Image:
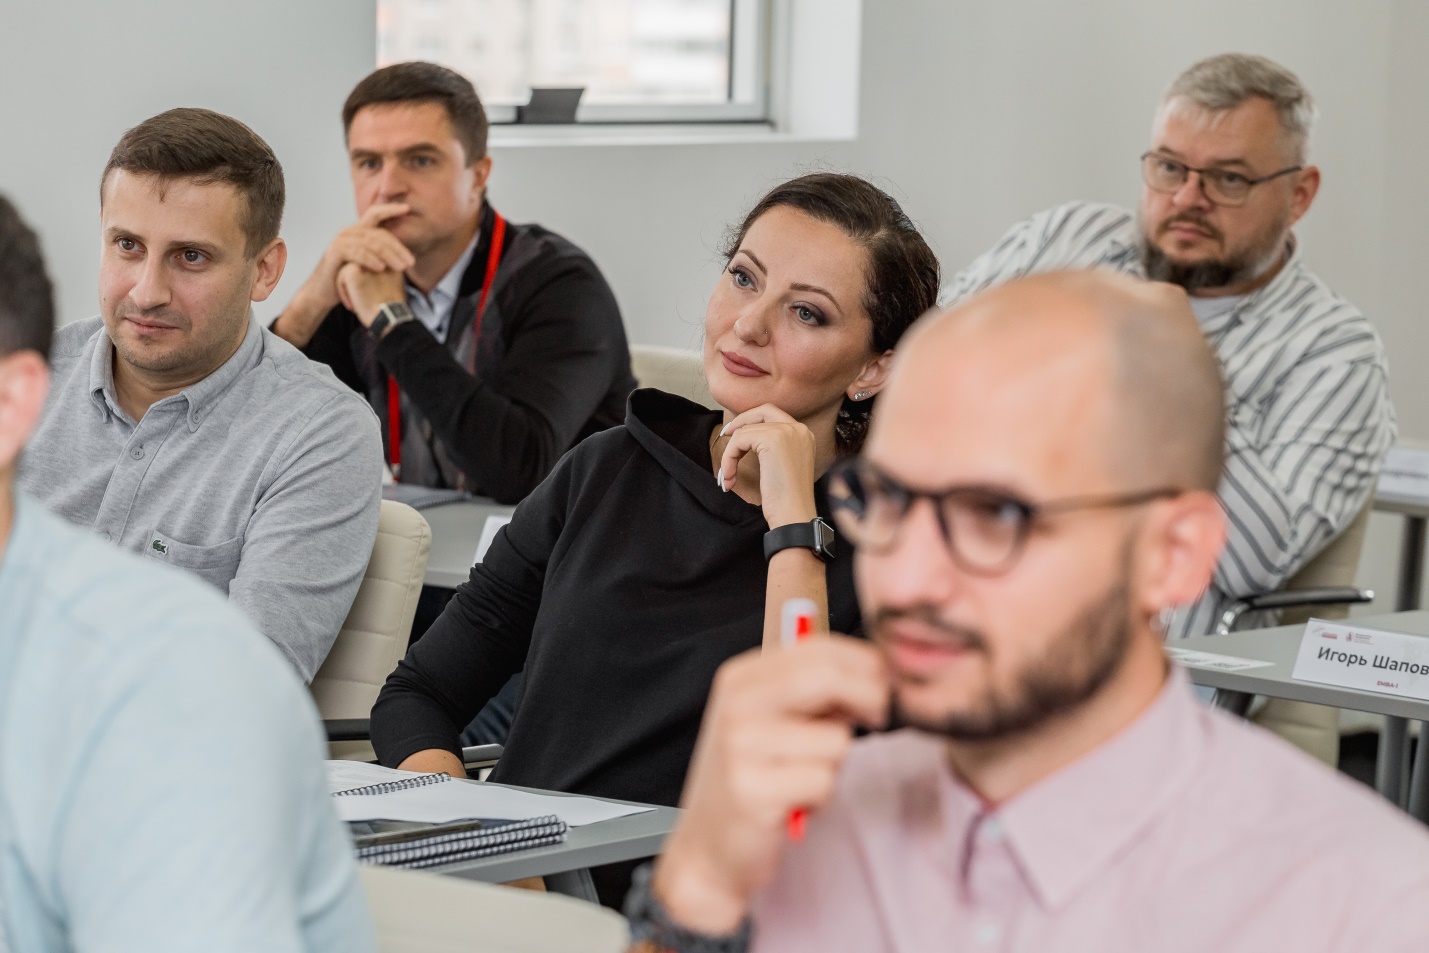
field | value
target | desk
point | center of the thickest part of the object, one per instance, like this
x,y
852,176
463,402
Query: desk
x,y
1394,741
564,864
1411,547
1279,646
456,529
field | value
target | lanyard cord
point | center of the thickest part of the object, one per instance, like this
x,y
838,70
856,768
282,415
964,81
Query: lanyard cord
x,y
394,394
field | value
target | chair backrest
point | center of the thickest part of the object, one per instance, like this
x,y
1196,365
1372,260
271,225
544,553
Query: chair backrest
x,y
671,370
374,634
430,913
1335,565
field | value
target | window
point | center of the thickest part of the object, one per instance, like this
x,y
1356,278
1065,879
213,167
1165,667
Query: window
x,y
639,60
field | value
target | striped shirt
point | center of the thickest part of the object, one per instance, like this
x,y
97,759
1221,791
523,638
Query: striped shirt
x,y
1308,410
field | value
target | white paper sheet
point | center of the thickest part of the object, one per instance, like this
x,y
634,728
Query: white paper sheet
x,y
455,800
348,775
488,533
1225,663
1405,473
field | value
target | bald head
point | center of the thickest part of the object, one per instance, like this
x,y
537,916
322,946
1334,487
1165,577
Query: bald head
x,y
1114,372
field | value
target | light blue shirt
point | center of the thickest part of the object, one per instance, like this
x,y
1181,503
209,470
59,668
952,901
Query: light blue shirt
x,y
435,310
161,766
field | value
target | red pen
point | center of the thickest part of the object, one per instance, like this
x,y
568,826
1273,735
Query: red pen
x,y
796,624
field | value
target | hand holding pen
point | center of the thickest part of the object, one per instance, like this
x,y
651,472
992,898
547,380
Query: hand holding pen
x,y
776,730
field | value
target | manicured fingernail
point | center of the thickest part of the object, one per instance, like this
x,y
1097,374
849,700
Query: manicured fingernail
x,y
725,429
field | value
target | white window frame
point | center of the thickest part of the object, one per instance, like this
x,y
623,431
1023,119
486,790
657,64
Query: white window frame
x,y
802,98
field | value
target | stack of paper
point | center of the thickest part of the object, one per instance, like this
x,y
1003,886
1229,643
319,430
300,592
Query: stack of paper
x,y
453,800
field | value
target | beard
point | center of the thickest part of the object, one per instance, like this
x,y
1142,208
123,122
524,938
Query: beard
x,y
1073,669
207,346
1237,266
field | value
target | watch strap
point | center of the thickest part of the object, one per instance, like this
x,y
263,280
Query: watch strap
x,y
815,535
388,317
650,923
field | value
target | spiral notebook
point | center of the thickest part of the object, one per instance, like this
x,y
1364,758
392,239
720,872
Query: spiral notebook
x,y
408,844
398,844
370,792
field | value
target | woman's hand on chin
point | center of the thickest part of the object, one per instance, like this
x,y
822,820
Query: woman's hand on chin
x,y
783,449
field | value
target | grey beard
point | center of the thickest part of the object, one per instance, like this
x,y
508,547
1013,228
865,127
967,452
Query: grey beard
x,y
1208,274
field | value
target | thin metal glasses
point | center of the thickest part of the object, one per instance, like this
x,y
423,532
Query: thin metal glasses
x,y
1164,174
985,529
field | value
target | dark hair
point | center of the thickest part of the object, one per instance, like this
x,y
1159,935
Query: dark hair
x,y
27,304
903,273
209,148
418,82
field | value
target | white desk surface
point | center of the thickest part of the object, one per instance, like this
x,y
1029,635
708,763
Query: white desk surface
x,y
456,529
1280,645
1387,503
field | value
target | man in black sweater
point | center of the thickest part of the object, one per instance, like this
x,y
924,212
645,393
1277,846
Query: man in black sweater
x,y
487,348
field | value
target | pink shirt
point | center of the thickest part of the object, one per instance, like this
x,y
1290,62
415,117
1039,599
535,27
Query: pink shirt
x,y
1189,831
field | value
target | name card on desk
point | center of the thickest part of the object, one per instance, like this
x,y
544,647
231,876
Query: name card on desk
x,y
1405,473
1224,663
488,535
1370,660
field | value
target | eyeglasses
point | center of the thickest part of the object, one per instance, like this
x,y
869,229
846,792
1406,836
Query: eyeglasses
x,y
1164,174
984,529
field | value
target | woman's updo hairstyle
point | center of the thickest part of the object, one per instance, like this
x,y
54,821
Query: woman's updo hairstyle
x,y
902,274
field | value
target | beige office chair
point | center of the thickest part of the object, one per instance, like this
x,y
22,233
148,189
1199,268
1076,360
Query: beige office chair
x,y
1329,578
671,370
374,634
429,913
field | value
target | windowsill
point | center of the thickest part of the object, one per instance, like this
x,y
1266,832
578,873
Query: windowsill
x,y
510,135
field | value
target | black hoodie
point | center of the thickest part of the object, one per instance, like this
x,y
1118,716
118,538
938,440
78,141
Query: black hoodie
x,y
620,586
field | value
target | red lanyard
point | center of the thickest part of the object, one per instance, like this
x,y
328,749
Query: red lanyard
x,y
394,395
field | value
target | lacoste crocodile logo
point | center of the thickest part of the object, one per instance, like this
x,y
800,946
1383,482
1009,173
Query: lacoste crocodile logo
x,y
159,547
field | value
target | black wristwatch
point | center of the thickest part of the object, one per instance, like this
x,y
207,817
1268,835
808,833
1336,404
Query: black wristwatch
x,y
814,535
649,923
388,317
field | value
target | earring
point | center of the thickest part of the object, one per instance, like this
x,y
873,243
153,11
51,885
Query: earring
x,y
862,395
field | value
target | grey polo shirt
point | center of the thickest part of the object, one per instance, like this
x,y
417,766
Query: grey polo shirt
x,y
263,479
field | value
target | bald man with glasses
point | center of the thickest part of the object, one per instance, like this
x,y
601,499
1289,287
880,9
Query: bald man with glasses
x,y
1309,416
1054,786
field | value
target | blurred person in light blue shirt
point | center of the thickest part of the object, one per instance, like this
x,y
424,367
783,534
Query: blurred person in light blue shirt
x,y
161,776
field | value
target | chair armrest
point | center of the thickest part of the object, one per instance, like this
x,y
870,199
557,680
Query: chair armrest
x,y
1292,599
348,729
480,756
1319,596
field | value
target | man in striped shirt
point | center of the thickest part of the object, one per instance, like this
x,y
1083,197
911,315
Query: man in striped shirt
x,y
1308,410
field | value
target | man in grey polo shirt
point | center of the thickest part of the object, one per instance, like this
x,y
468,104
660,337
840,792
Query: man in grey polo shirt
x,y
180,428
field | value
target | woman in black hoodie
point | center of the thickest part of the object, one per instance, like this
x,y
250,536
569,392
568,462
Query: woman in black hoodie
x,y
639,566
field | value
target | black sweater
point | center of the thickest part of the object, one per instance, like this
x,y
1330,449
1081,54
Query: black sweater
x,y
552,367
620,585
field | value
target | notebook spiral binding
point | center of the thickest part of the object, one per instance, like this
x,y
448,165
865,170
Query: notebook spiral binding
x,y
468,845
406,784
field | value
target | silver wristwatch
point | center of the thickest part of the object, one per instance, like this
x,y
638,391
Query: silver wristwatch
x,y
388,317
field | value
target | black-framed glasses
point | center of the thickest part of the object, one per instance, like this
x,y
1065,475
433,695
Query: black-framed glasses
x,y
984,528
1164,174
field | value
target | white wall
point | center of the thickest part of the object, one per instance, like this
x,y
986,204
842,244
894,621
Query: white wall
x,y
74,74
973,113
